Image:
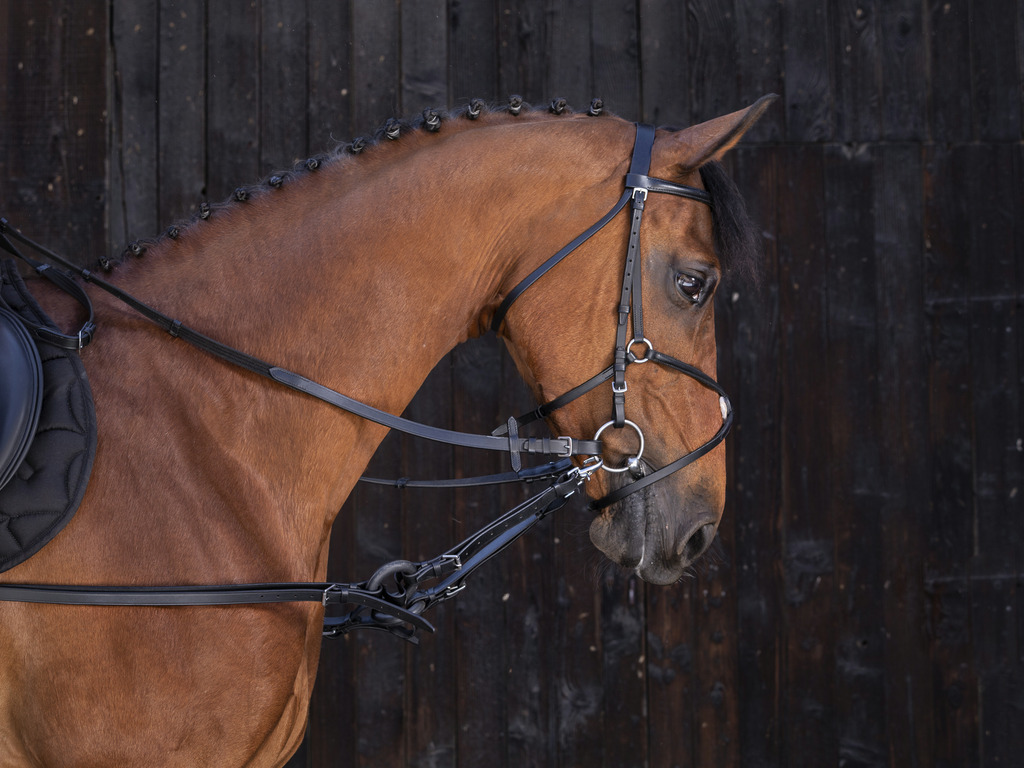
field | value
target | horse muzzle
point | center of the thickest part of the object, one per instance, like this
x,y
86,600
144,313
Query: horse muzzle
x,y
661,530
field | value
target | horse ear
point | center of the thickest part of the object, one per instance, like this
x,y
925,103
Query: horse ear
x,y
692,147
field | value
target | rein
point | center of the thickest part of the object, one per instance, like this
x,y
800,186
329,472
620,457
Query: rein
x,y
398,592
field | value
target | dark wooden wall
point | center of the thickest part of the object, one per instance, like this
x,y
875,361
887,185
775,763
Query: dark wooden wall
x,y
865,607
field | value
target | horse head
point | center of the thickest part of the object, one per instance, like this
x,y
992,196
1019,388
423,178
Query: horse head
x,y
649,413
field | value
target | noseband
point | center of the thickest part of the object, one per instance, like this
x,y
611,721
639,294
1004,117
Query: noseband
x,y
395,596
638,186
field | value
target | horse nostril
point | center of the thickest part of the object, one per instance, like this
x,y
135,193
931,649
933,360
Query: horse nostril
x,y
699,541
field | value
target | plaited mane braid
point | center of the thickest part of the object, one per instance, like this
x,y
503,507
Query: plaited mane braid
x,y
393,129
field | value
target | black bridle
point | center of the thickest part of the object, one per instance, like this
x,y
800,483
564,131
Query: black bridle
x,y
395,596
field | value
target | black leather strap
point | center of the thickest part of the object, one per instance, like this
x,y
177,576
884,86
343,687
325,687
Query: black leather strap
x,y
558,446
63,282
652,184
527,475
692,456
544,268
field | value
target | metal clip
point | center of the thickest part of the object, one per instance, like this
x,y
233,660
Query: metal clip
x,y
453,589
589,467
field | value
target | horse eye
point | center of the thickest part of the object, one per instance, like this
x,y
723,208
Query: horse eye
x,y
691,287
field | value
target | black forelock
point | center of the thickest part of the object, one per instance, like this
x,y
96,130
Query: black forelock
x,y
737,240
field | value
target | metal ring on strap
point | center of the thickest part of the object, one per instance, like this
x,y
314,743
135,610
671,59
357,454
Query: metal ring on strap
x,y
631,462
647,353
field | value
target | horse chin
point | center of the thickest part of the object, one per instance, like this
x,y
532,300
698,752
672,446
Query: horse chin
x,y
658,532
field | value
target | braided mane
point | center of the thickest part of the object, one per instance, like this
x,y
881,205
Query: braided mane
x,y
736,238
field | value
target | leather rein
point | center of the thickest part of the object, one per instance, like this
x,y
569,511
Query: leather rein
x,y
398,592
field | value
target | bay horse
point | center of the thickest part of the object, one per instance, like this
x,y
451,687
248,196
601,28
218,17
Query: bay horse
x,y
359,270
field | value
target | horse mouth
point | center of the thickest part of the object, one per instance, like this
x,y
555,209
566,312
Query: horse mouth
x,y
655,532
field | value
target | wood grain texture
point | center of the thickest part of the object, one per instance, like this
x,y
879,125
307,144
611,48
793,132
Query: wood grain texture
x,y
181,109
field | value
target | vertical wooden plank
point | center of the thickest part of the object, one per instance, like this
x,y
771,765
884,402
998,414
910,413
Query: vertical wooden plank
x,y
994,601
671,678
473,51
905,78
994,316
854,493
747,327
903,428
533,644
614,56
379,663
949,47
430,728
329,74
375,63
332,738
578,694
54,148
857,70
665,76
807,674
424,56
284,126
182,108
950,534
715,655
808,98
1017,479
480,673
522,63
996,84
711,49
622,651
759,56
233,115
997,463
133,209
82,60
570,70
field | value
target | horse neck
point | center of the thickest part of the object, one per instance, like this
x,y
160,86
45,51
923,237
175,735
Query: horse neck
x,y
362,276
386,261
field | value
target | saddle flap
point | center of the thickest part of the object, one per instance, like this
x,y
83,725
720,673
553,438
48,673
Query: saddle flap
x,y
21,393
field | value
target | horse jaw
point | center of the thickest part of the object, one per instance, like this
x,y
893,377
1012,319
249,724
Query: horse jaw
x,y
662,530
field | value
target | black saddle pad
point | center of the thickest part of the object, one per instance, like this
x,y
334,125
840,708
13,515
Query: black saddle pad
x,y
48,484
21,392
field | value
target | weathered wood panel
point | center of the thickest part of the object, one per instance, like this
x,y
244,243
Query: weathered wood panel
x,y
865,604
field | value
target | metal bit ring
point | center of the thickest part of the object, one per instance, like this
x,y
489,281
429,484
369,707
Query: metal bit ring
x,y
632,461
